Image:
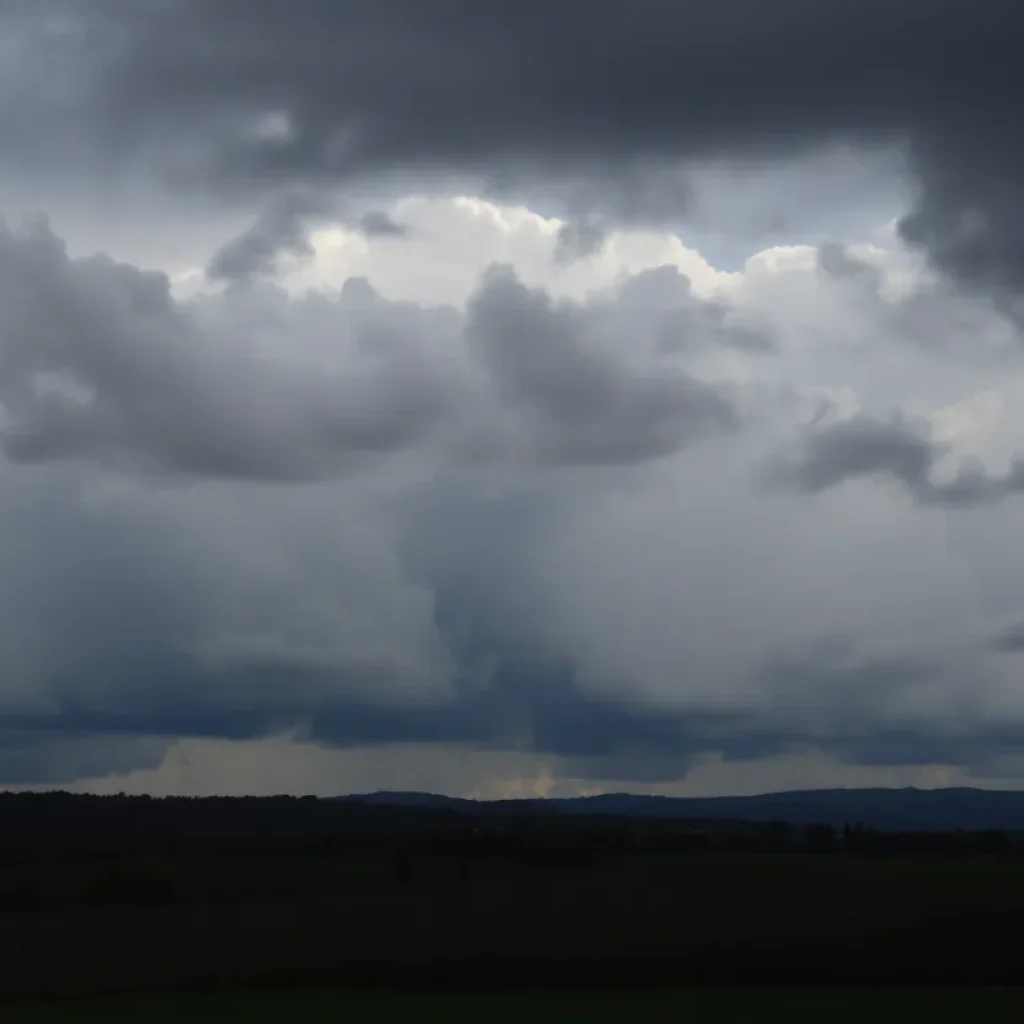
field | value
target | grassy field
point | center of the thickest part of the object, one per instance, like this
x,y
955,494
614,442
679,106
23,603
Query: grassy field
x,y
340,923
213,881
792,1007
640,923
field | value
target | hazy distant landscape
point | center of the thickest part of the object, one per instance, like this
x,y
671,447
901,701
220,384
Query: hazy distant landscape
x,y
894,809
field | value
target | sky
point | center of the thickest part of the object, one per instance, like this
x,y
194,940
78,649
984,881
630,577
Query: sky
x,y
510,398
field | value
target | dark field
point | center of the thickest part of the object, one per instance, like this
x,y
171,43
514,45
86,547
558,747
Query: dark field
x,y
702,1006
135,899
637,921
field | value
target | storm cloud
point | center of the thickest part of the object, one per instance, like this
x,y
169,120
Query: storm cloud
x,y
863,446
521,95
281,230
617,386
527,523
99,361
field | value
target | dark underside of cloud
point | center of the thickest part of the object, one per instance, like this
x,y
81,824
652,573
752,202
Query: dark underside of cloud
x,y
282,230
123,683
896,449
102,370
527,707
531,94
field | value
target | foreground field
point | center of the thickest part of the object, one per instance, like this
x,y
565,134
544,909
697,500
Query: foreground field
x,y
793,1007
643,923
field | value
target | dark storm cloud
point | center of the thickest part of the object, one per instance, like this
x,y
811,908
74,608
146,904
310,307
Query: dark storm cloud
x,y
478,557
282,229
837,261
380,224
861,447
221,611
579,238
50,757
484,560
523,91
1010,640
894,448
836,690
529,705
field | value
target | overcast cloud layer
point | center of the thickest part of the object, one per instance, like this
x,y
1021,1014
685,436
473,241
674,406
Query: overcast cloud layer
x,y
491,394
589,105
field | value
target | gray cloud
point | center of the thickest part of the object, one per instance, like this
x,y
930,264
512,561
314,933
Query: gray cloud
x,y
49,757
380,224
894,448
862,447
580,402
507,535
1010,640
516,93
192,577
282,229
99,362
837,261
130,421
579,238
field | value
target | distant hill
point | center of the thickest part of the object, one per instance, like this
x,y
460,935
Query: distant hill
x,y
391,798
889,809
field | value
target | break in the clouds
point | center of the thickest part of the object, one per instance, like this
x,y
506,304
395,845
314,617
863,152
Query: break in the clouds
x,y
496,388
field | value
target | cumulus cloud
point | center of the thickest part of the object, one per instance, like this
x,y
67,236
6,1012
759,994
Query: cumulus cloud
x,y
449,434
580,238
281,233
281,230
131,420
579,399
100,362
568,556
864,446
380,224
1010,640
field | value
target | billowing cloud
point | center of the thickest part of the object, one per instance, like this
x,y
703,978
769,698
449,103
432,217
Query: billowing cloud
x,y
281,233
101,362
380,224
573,558
514,385
281,230
578,398
863,446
